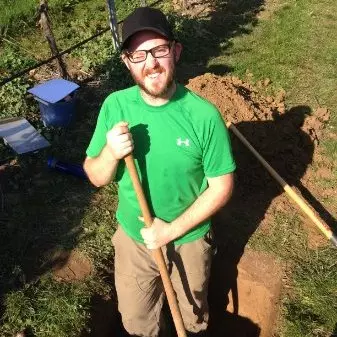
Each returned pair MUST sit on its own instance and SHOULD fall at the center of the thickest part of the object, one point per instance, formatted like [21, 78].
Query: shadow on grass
[205, 39]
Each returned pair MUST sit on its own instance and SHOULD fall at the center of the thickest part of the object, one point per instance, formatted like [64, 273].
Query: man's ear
[125, 60]
[178, 48]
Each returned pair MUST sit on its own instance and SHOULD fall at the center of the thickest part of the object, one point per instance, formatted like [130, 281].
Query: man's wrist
[108, 155]
[176, 231]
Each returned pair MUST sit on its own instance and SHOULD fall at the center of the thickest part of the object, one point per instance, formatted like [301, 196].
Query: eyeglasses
[156, 52]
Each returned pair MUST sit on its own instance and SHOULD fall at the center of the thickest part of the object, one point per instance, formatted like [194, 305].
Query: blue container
[57, 99]
[69, 168]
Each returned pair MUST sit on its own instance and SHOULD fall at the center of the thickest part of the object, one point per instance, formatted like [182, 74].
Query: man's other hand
[159, 234]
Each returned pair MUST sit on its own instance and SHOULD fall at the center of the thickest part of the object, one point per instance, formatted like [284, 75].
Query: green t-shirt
[176, 146]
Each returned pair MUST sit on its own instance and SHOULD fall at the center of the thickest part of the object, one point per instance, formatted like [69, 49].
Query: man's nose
[151, 61]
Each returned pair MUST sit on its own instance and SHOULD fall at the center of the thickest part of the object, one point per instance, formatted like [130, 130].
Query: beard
[155, 90]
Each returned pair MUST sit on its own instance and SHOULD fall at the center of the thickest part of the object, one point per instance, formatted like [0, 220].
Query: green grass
[311, 310]
[296, 49]
[79, 20]
[15, 13]
[294, 45]
[29, 237]
[309, 306]
[23, 14]
[50, 308]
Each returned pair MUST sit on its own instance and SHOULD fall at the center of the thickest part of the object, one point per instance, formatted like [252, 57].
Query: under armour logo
[186, 142]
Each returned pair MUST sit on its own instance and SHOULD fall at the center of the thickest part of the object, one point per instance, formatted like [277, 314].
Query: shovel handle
[157, 253]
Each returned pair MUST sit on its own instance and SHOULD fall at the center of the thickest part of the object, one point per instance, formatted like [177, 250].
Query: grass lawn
[290, 42]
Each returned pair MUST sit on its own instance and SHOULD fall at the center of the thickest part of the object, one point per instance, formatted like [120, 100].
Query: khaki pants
[140, 290]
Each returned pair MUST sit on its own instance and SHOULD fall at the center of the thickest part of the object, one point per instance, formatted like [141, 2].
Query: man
[182, 152]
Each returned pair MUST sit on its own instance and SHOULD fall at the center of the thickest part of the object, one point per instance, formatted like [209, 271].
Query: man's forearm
[208, 203]
[211, 200]
[101, 170]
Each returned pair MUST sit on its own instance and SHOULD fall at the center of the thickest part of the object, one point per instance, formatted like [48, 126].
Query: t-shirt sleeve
[98, 139]
[217, 151]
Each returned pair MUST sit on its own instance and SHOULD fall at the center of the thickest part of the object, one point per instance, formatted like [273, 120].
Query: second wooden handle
[324, 228]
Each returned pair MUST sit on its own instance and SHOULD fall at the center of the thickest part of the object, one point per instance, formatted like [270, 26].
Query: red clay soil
[238, 101]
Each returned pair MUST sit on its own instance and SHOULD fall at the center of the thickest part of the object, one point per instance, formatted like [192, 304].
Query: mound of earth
[239, 101]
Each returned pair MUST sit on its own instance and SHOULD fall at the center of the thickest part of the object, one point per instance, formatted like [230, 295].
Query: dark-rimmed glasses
[156, 52]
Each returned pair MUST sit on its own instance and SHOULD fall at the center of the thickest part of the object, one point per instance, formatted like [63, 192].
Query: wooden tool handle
[157, 253]
[325, 229]
[130, 164]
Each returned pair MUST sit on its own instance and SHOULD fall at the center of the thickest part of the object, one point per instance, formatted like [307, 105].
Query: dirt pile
[238, 101]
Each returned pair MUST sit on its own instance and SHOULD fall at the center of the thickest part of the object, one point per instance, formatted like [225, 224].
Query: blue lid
[54, 90]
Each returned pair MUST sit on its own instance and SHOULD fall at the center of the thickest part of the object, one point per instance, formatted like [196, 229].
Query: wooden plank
[48, 33]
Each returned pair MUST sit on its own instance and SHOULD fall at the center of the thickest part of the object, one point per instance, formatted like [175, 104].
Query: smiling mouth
[153, 75]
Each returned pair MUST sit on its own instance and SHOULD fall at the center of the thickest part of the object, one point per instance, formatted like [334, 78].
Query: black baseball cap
[145, 18]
